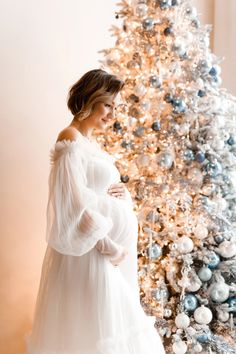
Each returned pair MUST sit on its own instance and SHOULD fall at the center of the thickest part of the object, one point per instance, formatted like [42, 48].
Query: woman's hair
[94, 86]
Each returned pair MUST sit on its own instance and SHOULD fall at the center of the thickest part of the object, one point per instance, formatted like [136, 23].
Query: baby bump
[125, 223]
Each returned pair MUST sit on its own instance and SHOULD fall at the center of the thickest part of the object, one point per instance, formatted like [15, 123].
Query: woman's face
[103, 113]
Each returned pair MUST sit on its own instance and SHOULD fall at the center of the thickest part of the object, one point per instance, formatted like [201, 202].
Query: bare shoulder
[69, 133]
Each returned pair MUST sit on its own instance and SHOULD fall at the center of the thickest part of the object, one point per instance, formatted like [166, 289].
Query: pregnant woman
[88, 299]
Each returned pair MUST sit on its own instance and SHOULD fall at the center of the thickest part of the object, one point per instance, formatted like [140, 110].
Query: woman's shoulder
[68, 133]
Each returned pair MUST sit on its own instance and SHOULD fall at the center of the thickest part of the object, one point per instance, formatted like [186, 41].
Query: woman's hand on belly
[118, 190]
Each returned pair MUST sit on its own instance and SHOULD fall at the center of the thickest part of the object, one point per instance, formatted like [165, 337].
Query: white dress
[85, 305]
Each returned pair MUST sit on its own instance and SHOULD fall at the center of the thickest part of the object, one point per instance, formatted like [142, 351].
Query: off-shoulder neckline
[80, 136]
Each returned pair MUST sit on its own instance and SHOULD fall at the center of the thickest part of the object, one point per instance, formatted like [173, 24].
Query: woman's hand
[118, 190]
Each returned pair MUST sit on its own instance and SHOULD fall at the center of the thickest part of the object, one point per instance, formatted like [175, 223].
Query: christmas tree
[174, 139]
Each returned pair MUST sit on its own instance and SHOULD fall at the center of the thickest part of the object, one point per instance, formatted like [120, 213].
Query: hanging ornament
[182, 320]
[201, 232]
[219, 291]
[156, 126]
[190, 302]
[148, 24]
[184, 244]
[195, 176]
[140, 90]
[194, 282]
[200, 156]
[142, 160]
[205, 274]
[141, 10]
[165, 159]
[227, 249]
[179, 347]
[212, 260]
[203, 315]
[232, 304]
[213, 169]
[155, 81]
[164, 4]
[219, 239]
[203, 337]
[155, 251]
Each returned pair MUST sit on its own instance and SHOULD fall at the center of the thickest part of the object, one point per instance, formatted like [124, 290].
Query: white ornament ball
[185, 244]
[141, 10]
[205, 273]
[227, 249]
[182, 320]
[201, 232]
[140, 90]
[198, 348]
[179, 347]
[219, 292]
[223, 316]
[203, 315]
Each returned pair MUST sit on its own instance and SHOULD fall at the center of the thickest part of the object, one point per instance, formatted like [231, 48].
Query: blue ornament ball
[231, 141]
[165, 4]
[156, 126]
[190, 302]
[201, 93]
[203, 337]
[188, 155]
[155, 251]
[213, 169]
[219, 239]
[232, 303]
[168, 98]
[213, 260]
[179, 106]
[168, 31]
[200, 156]
[213, 71]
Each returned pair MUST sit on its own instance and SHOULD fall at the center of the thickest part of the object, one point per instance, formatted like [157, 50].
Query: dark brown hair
[94, 86]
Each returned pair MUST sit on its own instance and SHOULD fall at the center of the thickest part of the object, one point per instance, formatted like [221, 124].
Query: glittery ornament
[190, 302]
[203, 315]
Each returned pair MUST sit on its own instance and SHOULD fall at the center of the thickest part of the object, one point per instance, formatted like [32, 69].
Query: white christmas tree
[175, 143]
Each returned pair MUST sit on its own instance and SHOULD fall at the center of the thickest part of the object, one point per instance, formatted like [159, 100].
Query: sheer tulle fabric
[85, 305]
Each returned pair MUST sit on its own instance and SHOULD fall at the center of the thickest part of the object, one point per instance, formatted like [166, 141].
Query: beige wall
[46, 46]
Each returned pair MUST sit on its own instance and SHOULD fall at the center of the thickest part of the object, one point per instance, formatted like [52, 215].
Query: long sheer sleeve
[74, 222]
